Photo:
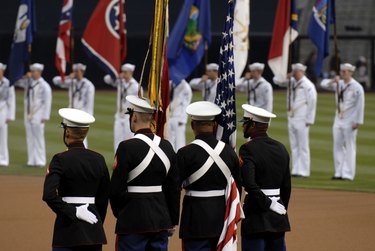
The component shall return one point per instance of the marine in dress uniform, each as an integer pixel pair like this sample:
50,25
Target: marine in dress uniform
207,83
259,91
7,113
266,179
181,98
81,90
204,179
350,105
144,190
301,98
126,85
37,110
76,188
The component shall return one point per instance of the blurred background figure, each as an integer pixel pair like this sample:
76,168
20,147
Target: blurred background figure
207,83
302,99
181,96
126,85
7,113
37,103
362,72
81,90
259,90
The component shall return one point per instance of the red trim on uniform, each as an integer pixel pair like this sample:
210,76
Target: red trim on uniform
115,163
182,245
241,162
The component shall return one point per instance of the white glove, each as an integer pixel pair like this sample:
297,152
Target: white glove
276,206
84,214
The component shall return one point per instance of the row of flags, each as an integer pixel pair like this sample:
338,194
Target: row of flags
285,32
187,43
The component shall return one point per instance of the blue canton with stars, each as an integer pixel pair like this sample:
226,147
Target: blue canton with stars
226,87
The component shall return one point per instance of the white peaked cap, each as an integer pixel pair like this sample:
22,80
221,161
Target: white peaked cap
256,66
347,66
79,66
76,118
257,114
128,67
203,111
299,66
3,66
212,67
140,105
36,67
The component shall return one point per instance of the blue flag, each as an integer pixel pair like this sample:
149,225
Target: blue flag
226,87
22,39
322,17
186,44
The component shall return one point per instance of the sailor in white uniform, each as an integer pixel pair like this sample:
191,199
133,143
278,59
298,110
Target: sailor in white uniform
180,99
7,113
81,90
126,85
207,83
301,98
259,91
37,102
350,105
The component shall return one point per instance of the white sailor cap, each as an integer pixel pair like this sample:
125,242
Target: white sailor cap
203,111
299,66
3,66
140,105
79,66
128,67
212,67
347,66
75,118
256,66
36,67
256,114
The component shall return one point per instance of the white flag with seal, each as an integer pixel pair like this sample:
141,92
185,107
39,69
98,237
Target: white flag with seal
241,35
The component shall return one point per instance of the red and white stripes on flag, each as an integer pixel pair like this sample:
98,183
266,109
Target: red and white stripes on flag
233,215
63,39
284,33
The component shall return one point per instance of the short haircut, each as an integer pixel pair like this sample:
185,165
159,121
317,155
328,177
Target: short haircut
145,117
203,123
259,125
78,133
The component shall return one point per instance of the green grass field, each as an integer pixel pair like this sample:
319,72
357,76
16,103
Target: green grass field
101,139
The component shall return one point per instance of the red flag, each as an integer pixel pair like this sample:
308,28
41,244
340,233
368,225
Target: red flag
105,34
63,39
284,33
161,115
233,215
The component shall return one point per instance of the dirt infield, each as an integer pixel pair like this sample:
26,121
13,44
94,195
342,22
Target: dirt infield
321,220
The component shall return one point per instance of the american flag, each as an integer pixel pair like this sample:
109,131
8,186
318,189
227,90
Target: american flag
226,87
226,99
63,39
233,215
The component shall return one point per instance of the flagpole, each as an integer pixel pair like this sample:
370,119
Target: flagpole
337,63
72,46
205,54
289,63
29,50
